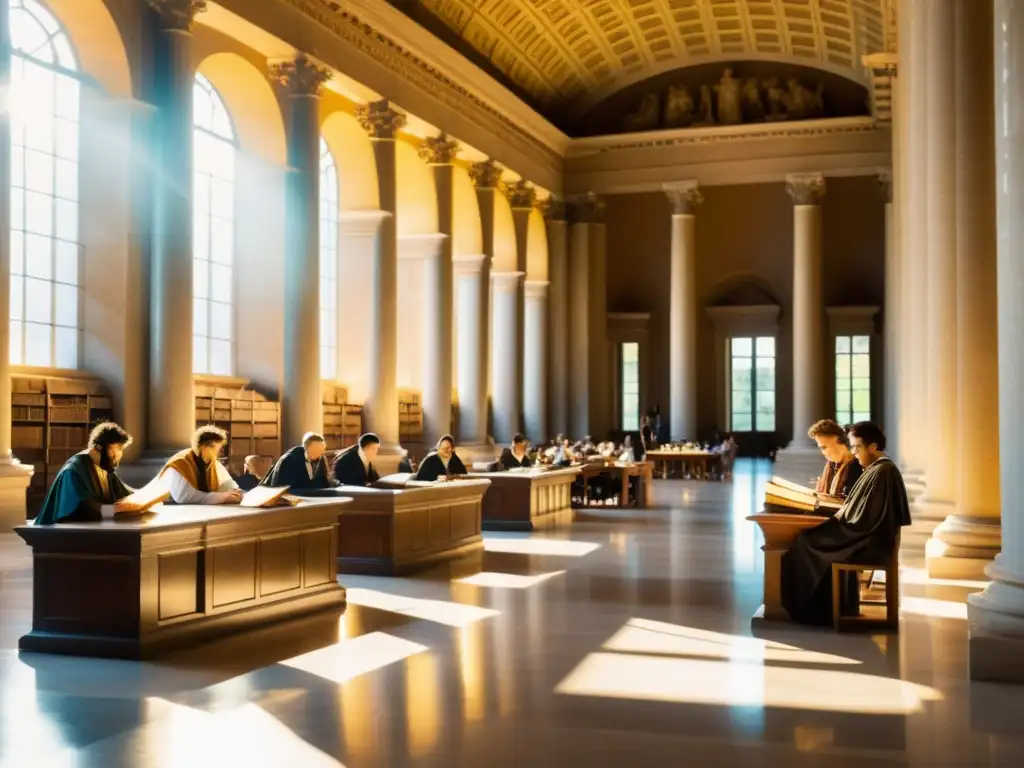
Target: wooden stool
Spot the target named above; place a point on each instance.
(875, 619)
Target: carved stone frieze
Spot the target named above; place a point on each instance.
(177, 14)
(520, 194)
(380, 119)
(552, 209)
(439, 150)
(685, 196)
(806, 188)
(486, 175)
(586, 209)
(300, 76)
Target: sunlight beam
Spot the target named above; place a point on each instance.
(558, 547)
(344, 661)
(440, 611)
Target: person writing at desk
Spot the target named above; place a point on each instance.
(354, 465)
(841, 470)
(863, 532)
(87, 487)
(195, 476)
(516, 455)
(443, 462)
(302, 467)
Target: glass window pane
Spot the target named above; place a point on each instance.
(39, 171)
(861, 366)
(842, 402)
(861, 416)
(200, 321)
(200, 279)
(65, 137)
(862, 344)
(220, 321)
(742, 347)
(38, 303)
(765, 346)
(66, 102)
(327, 329)
(38, 257)
(220, 283)
(630, 352)
(17, 252)
(17, 298)
(38, 342)
(67, 262)
(861, 401)
(842, 344)
(201, 193)
(221, 199)
(742, 422)
(220, 357)
(328, 364)
(765, 422)
(328, 295)
(17, 209)
(67, 220)
(200, 354)
(65, 305)
(222, 240)
(38, 213)
(842, 367)
(742, 401)
(17, 329)
(201, 236)
(66, 350)
(765, 373)
(741, 373)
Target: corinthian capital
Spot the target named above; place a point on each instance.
(439, 150)
(685, 196)
(586, 209)
(805, 188)
(485, 175)
(553, 209)
(521, 194)
(300, 76)
(177, 14)
(380, 119)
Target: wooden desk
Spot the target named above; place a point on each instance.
(396, 528)
(135, 587)
(526, 499)
(780, 530)
(702, 465)
(643, 470)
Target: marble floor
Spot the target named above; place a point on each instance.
(623, 640)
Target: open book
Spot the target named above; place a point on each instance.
(146, 498)
(787, 495)
(262, 496)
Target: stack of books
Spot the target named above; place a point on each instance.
(783, 496)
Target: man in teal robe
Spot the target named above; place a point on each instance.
(87, 486)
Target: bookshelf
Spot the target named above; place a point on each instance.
(410, 416)
(252, 421)
(343, 421)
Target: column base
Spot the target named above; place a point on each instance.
(961, 548)
(995, 620)
(474, 452)
(14, 480)
(799, 464)
(389, 457)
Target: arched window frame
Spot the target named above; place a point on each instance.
(330, 203)
(213, 234)
(46, 252)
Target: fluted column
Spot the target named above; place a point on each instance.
(439, 153)
(535, 361)
(941, 478)
(684, 197)
(380, 411)
(521, 197)
(996, 616)
(558, 307)
(892, 314)
(967, 541)
(506, 289)
(808, 305)
(301, 400)
(472, 289)
(588, 339)
(171, 405)
(14, 476)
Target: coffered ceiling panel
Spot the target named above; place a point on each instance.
(578, 52)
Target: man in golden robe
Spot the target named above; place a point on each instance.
(195, 476)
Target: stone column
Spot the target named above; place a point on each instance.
(891, 329)
(439, 153)
(380, 411)
(472, 288)
(558, 306)
(171, 403)
(996, 616)
(301, 401)
(808, 305)
(967, 541)
(535, 361)
(588, 339)
(941, 477)
(14, 476)
(685, 197)
(506, 371)
(521, 197)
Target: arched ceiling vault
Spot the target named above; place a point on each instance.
(578, 52)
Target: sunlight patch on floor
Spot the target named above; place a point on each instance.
(352, 658)
(440, 611)
(507, 580)
(559, 547)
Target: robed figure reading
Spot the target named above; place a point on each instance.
(354, 465)
(516, 456)
(863, 532)
(443, 462)
(302, 467)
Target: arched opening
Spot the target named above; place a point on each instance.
(467, 238)
(505, 254)
(536, 248)
(329, 207)
(213, 239)
(46, 256)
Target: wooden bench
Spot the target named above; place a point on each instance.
(889, 617)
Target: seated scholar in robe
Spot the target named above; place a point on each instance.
(442, 462)
(862, 532)
(87, 488)
(516, 455)
(256, 468)
(194, 476)
(841, 470)
(354, 465)
(302, 467)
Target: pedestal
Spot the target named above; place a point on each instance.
(780, 531)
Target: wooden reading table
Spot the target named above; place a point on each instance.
(526, 499)
(642, 469)
(780, 531)
(133, 587)
(702, 465)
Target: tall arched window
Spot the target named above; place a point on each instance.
(213, 235)
(45, 252)
(328, 264)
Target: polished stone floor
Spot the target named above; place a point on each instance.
(623, 640)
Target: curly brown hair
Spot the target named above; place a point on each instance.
(108, 433)
(208, 434)
(828, 428)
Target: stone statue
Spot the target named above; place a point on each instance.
(730, 106)
(797, 99)
(753, 107)
(705, 115)
(646, 116)
(678, 107)
(776, 104)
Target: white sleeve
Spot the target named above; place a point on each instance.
(225, 481)
(182, 491)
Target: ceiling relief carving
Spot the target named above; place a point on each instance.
(568, 56)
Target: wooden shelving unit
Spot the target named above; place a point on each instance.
(343, 421)
(251, 420)
(410, 416)
(50, 422)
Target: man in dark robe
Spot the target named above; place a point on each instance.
(443, 462)
(354, 465)
(255, 469)
(516, 455)
(87, 487)
(302, 467)
(648, 440)
(862, 532)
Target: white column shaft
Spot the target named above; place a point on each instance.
(471, 286)
(505, 360)
(683, 328)
(579, 330)
(535, 367)
(808, 321)
(437, 362)
(558, 353)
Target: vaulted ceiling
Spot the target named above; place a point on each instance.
(563, 54)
